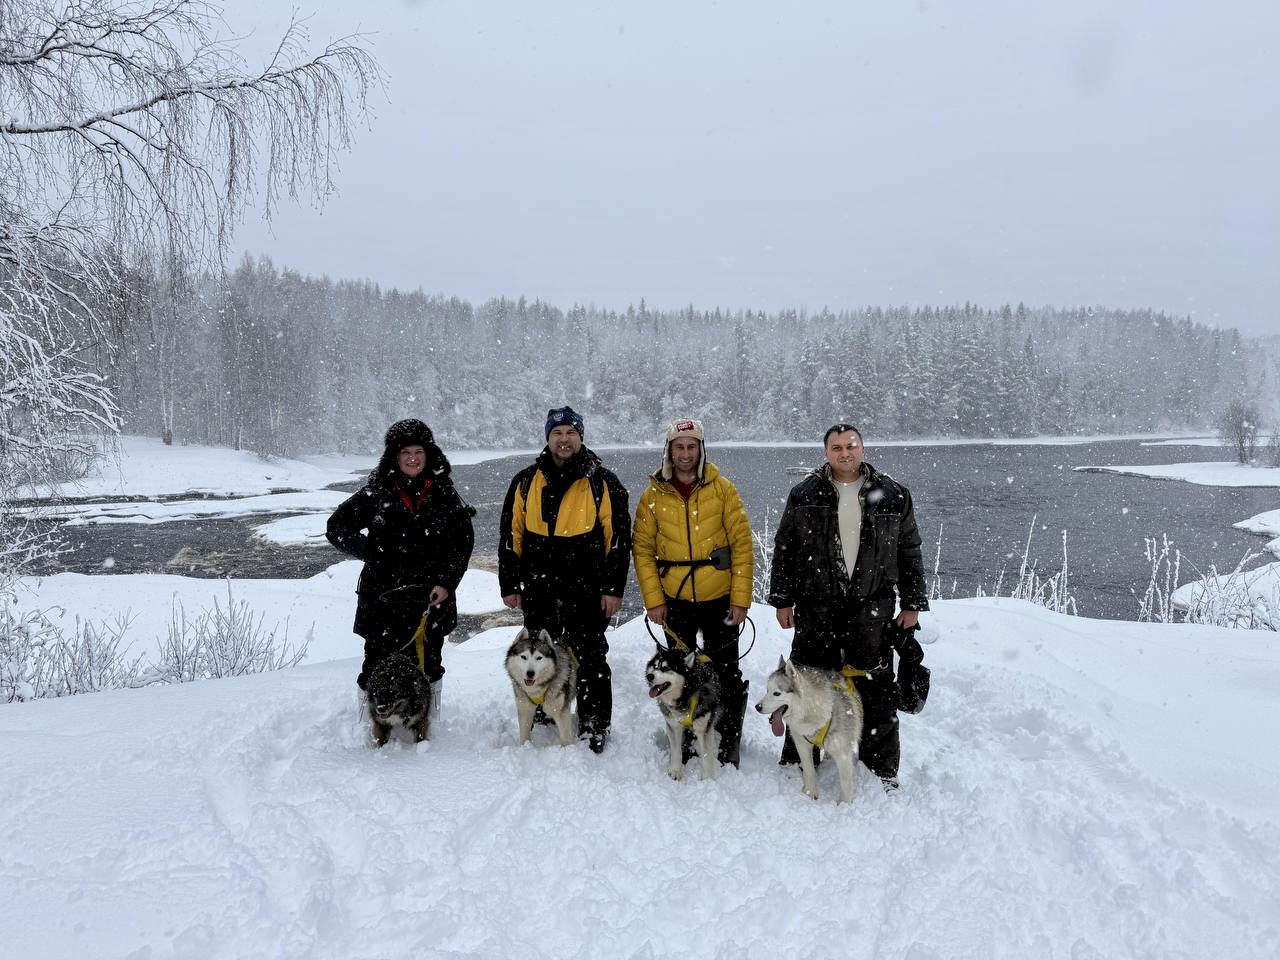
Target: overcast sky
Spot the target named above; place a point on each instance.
(766, 153)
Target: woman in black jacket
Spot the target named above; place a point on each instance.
(414, 534)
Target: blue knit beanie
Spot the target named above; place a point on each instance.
(563, 417)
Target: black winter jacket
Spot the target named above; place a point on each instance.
(419, 533)
(808, 563)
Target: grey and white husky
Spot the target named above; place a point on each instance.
(688, 694)
(819, 708)
(543, 674)
(399, 698)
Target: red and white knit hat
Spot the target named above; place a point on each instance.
(684, 428)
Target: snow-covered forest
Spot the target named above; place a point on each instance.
(268, 359)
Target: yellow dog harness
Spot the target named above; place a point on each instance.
(844, 685)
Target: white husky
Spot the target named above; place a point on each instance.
(820, 709)
(543, 674)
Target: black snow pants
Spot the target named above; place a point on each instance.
(852, 632)
(576, 619)
(720, 643)
(388, 627)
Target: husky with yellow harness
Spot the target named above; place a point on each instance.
(544, 673)
(819, 709)
(684, 683)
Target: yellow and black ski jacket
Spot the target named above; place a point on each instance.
(565, 529)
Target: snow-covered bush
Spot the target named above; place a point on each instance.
(1156, 604)
(223, 642)
(1051, 592)
(1238, 428)
(39, 658)
(1271, 451)
(1244, 598)
(763, 537)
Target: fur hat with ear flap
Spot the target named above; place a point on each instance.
(408, 433)
(684, 428)
(411, 433)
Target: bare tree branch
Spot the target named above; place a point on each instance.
(129, 126)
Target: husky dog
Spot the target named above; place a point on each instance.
(399, 698)
(819, 708)
(688, 695)
(543, 674)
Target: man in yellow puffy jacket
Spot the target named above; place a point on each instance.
(694, 558)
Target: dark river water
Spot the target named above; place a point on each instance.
(979, 500)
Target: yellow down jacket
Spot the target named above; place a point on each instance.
(669, 529)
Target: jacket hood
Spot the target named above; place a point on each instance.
(709, 472)
(409, 433)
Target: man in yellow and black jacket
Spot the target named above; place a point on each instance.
(694, 563)
(563, 555)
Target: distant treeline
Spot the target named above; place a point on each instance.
(274, 361)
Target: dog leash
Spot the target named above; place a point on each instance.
(419, 639)
(676, 642)
(702, 653)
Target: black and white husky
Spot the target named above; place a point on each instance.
(819, 708)
(543, 674)
(688, 694)
(399, 698)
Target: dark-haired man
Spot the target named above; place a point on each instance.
(847, 542)
(563, 556)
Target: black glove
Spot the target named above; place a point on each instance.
(913, 675)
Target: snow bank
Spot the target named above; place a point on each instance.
(1266, 524)
(145, 467)
(1211, 474)
(1074, 788)
(319, 608)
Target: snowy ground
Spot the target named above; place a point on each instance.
(1074, 789)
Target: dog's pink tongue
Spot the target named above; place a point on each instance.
(775, 721)
(655, 690)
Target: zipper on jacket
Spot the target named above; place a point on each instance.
(688, 539)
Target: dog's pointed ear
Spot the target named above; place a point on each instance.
(782, 664)
(522, 635)
(544, 635)
(789, 669)
(691, 659)
(657, 646)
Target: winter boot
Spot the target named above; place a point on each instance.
(434, 712)
(595, 739)
(731, 728)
